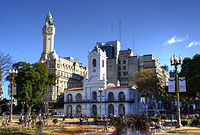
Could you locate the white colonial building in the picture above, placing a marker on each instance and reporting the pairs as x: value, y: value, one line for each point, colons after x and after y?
x: 116, y: 100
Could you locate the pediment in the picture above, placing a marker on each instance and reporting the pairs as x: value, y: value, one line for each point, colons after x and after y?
x: 93, y: 78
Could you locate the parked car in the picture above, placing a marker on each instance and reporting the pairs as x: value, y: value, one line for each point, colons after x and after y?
x: 59, y: 115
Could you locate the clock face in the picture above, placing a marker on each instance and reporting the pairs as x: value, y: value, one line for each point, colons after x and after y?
x: 94, y: 70
x: 49, y: 29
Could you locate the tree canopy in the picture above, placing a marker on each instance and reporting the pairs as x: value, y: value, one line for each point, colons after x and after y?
x: 32, y: 81
x: 148, y: 83
x: 191, y: 71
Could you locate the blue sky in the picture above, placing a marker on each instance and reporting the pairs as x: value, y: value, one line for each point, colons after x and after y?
x: 158, y: 27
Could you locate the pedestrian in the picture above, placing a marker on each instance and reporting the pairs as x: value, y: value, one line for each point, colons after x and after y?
x: 20, y: 118
x: 44, y: 118
x: 3, y: 123
x: 39, y: 126
x: 80, y: 121
x: 29, y: 121
x: 114, y: 133
x: 25, y: 120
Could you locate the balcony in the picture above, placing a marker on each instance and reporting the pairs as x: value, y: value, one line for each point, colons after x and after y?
x: 103, y: 101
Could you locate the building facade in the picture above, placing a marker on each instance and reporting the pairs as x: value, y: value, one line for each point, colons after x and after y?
x: 69, y: 72
x: 97, y: 94
x: 122, y: 64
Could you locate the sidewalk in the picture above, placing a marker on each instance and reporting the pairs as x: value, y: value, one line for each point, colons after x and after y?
x: 187, y: 130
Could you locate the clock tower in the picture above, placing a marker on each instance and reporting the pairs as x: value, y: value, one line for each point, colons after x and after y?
x: 48, y: 32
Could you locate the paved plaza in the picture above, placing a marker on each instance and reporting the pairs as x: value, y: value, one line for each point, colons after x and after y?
x: 73, y: 126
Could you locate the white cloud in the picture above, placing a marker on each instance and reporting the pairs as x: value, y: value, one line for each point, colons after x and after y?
x: 193, y: 43
x: 176, y: 39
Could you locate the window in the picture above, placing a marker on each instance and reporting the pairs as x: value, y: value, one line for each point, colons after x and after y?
x: 124, y: 73
x: 119, y: 73
x: 94, y: 95
x: 69, y: 98
x: 119, y: 62
x: 78, y: 97
x: 50, y: 89
x: 110, y: 96
x: 124, y: 67
x: 51, y: 65
x: 124, y: 61
x: 102, y: 63
x: 119, y: 67
x: 94, y: 62
x: 121, y: 96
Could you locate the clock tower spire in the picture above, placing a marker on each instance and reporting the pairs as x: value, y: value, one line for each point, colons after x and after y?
x: 48, y: 32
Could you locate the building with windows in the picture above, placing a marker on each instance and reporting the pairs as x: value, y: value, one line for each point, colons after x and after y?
x: 122, y: 64
x: 70, y: 73
x: 97, y: 95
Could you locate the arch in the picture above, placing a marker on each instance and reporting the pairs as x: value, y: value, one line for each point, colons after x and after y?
x: 94, y: 110
x: 69, y: 98
x: 110, y: 96
x: 94, y: 95
x: 69, y: 110
x: 110, y: 110
x: 78, y: 97
x: 121, y: 109
x: 78, y: 109
x: 94, y: 63
x: 121, y: 96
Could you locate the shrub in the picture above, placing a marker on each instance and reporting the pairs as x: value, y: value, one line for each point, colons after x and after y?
x: 186, y: 122
x: 195, y: 122
x: 155, y: 119
x: 132, y: 121
x: 55, y: 121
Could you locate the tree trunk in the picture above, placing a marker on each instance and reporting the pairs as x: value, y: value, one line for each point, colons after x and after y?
x: 29, y: 109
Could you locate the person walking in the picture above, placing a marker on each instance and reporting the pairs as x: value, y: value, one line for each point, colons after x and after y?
x: 25, y: 120
x: 39, y: 126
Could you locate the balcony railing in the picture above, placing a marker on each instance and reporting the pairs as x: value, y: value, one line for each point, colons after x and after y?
x: 103, y: 101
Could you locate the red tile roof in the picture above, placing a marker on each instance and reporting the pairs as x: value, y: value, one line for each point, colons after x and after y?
x: 115, y: 87
x: 107, y: 87
x: 80, y: 88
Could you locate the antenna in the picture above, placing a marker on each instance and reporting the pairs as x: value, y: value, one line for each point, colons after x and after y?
x: 133, y: 43
x: 120, y: 22
x: 112, y: 36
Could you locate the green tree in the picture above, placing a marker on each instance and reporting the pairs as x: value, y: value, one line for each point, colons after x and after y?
x: 190, y: 70
x: 148, y: 83
x: 32, y: 81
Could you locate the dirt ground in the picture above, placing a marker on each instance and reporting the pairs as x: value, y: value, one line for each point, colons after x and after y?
x: 187, y: 130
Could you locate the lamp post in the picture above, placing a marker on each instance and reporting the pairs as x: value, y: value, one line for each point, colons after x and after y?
x: 23, y: 103
x: 100, y: 91
x: 12, y: 73
x: 175, y: 61
x: 45, y: 107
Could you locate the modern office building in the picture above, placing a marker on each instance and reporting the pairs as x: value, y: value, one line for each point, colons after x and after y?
x: 122, y: 64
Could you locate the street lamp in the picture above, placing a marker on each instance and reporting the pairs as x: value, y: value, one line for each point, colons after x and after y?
x: 45, y: 107
x: 100, y: 91
x: 12, y: 73
x: 175, y: 61
x: 23, y: 103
